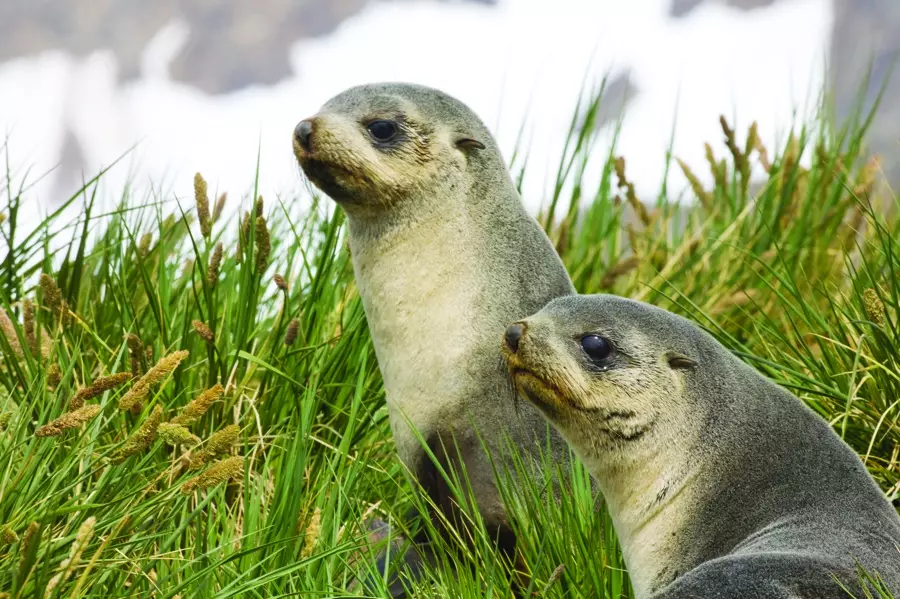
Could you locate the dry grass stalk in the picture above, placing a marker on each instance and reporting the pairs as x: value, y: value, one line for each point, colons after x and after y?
x: 228, y: 469
x: 199, y: 405
x: 312, y: 533
x: 617, y: 270
x: 142, y: 437
x: 155, y: 375
x: 97, y: 388
x: 218, y: 444
x: 68, y: 565
x: 68, y: 420
x: 176, y: 434
x: 280, y: 282
x: 203, y: 330
x: 292, y: 329
x: 215, y: 263
x: 202, y: 200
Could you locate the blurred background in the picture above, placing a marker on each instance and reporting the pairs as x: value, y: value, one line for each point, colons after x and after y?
x: 215, y: 85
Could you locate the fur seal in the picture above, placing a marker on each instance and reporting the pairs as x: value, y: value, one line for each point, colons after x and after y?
x: 720, y: 483
x: 445, y: 256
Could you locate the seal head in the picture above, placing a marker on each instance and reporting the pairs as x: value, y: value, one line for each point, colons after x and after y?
x: 382, y: 144
x: 719, y: 482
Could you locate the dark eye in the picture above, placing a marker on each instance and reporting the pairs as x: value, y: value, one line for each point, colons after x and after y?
x: 382, y: 130
x: 596, y: 347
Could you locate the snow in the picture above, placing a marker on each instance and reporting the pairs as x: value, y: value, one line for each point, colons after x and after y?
x: 517, y: 60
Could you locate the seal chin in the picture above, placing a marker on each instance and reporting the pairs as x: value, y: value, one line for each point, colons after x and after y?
x: 327, y: 177
x: 533, y: 388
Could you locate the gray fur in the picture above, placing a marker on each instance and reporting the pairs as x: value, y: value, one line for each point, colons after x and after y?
x: 454, y: 215
x: 760, y: 498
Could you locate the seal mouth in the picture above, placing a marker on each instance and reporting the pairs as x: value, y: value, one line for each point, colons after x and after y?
x: 538, y: 391
x: 326, y: 176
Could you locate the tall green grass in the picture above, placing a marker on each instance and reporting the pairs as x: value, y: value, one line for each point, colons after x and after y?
x: 797, y: 272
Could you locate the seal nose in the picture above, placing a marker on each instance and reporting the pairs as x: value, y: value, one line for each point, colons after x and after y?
x: 302, y: 133
x: 513, y: 335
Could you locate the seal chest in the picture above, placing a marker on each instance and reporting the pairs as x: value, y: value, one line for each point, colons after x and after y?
x: 719, y: 482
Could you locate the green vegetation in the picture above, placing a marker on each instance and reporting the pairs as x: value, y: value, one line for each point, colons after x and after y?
x: 191, y: 406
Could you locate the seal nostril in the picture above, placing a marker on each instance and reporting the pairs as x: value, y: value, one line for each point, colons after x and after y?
x: 513, y: 335
x: 302, y: 133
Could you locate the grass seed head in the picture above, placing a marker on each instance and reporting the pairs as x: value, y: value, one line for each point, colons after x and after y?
x: 5, y: 419
x: 202, y: 200
x: 176, y: 434
x: 218, y: 444
x: 8, y: 329
x: 144, y: 245
x: 215, y: 263
x: 28, y: 316
x: 157, y: 374
x: 228, y: 469
x: 8, y: 536
x: 280, y: 282
x: 98, y: 387
x: 312, y: 533
x: 263, y: 245
x: 142, y: 437
x: 68, y: 420
x: 220, y: 206
x: 68, y: 565
x: 873, y: 306
x: 199, y: 405
x: 54, y: 376
x: 203, y: 331
x: 292, y: 329
x: 136, y: 353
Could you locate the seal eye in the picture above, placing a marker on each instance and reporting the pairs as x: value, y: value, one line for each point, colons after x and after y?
x: 596, y: 347
x: 382, y: 130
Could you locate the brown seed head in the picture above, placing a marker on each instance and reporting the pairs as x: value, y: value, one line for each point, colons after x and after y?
x: 30, y: 336
x: 142, y: 437
x: 215, y: 262
x: 280, y: 282
x: 157, y: 374
x: 218, y: 444
x: 198, y: 406
x: 98, y: 387
x: 312, y: 533
x: 873, y: 306
x: 175, y: 434
x: 220, y: 206
x: 54, y: 376
x: 8, y: 330
x: 292, y: 329
x: 68, y: 420
x: 263, y: 245
x: 228, y: 469
x: 203, y: 331
x: 202, y: 205
x: 7, y: 535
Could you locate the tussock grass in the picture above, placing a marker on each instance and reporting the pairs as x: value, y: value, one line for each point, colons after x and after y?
x: 191, y: 407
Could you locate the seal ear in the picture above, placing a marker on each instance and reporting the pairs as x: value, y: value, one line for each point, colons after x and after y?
x: 464, y: 142
x: 679, y: 361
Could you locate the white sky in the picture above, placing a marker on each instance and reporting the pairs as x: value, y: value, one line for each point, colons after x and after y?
x: 500, y: 60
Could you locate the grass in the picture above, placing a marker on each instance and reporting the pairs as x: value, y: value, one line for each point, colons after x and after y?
x: 795, y: 271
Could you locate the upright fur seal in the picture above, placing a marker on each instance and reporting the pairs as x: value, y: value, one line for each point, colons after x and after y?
x: 444, y: 256
x: 720, y: 483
